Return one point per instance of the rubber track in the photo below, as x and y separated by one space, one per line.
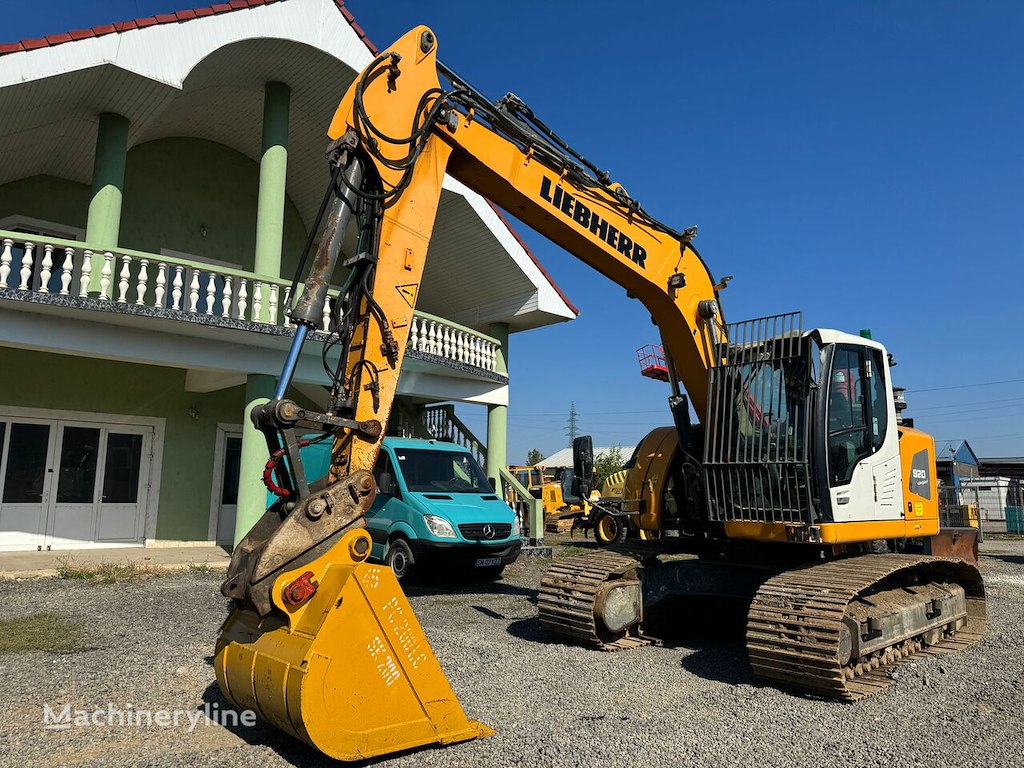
793 627
567 594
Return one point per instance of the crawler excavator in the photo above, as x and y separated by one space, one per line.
795 482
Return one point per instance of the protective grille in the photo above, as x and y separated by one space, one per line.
757 453
477 532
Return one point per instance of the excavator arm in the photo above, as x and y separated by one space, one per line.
321 643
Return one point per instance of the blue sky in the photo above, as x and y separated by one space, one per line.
861 162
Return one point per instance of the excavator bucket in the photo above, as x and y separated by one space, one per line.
347 669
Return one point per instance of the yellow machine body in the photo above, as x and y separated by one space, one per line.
349 671
648 483
542 484
644 489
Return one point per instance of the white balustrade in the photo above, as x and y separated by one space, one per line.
46 268
86 274
161 283
26 266
67 271
105 274
326 319
434 336
122 283
30 263
5 262
35 264
225 304
272 302
176 285
211 293
142 285
243 299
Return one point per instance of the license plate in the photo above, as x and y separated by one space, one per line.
486 562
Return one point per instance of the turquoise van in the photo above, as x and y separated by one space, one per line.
435 507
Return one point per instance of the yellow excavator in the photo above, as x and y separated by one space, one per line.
795 484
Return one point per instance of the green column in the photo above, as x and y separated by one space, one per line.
273 179
104 221
252 495
497 415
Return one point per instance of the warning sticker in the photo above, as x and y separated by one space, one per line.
409 293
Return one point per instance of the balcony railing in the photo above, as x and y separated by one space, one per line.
50 270
431 335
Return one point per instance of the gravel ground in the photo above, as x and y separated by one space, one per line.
691 703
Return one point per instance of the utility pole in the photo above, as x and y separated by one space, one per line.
572 429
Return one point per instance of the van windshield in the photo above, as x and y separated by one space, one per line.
427 471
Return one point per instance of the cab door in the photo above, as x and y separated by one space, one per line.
862 445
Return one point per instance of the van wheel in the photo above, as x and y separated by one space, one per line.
399 559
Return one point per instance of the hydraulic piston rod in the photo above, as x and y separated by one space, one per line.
308 310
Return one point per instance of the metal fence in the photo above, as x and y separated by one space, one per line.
757 454
995 504
958 508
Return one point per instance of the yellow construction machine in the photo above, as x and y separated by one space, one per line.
543 484
795 483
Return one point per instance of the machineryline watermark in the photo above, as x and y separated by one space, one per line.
65 717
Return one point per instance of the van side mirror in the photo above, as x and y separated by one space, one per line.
582 466
386 484
494 484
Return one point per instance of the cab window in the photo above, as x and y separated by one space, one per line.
857 412
879 401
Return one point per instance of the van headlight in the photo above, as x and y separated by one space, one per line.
517 529
439 527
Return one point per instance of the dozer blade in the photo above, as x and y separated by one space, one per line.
347 668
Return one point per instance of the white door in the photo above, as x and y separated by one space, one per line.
26 447
72 511
70 484
226 491
120 514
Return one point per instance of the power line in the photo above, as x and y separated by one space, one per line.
977 437
611 413
943 415
960 405
968 386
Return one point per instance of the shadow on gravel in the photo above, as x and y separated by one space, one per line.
530 629
714 630
446 587
290 749
265 735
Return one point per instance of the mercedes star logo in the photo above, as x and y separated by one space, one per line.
488 531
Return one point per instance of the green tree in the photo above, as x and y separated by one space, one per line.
533 457
608 464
